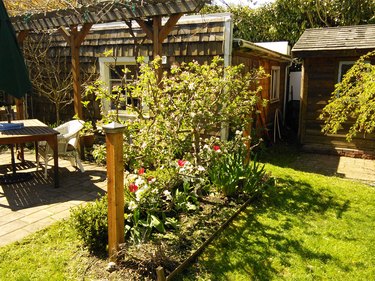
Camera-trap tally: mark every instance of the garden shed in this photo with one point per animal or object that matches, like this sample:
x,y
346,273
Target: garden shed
x,y
326,54
117,44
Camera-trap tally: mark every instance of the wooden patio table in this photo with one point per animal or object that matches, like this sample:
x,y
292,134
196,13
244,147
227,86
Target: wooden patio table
x,y
33,131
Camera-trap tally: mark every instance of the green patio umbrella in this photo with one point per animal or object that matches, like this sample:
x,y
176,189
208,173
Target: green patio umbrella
x,y
14,79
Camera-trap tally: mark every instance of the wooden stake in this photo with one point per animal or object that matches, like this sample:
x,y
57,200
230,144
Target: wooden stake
x,y
115,187
160,274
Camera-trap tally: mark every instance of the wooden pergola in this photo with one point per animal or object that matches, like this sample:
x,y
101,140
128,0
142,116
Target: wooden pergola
x,y
75,23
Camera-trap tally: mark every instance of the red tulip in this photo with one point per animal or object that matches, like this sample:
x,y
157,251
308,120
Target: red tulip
x,y
133,187
181,163
141,171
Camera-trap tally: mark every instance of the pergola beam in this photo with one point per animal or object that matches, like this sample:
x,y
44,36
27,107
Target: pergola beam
x,y
21,36
157,44
169,25
146,27
103,12
157,33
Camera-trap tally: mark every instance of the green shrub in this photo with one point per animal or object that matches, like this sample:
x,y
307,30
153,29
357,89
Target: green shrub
x,y
100,153
226,173
91,223
153,200
231,174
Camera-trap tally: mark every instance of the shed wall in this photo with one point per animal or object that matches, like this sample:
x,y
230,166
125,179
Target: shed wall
x,y
250,61
319,76
187,42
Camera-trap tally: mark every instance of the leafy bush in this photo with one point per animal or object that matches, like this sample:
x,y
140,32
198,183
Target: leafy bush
x,y
231,170
99,153
91,223
353,101
194,101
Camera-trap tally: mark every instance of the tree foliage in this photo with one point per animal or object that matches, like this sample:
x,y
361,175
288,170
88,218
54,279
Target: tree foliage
x,y
287,19
16,7
353,101
51,76
193,102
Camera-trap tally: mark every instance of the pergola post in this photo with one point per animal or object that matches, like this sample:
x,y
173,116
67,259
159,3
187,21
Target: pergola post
x,y
75,39
157,33
157,43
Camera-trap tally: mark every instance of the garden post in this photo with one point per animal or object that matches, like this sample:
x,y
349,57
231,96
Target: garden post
x,y
115,186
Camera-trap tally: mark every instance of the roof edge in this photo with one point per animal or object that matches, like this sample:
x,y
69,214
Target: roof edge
x,y
241,43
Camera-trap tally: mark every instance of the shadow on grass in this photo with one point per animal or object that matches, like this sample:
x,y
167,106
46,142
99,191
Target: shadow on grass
x,y
262,234
291,156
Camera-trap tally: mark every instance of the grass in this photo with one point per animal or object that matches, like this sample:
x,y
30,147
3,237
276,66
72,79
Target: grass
x,y
310,227
50,254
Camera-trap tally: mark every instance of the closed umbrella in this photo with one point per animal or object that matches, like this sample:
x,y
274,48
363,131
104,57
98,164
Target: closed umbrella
x,y
14,79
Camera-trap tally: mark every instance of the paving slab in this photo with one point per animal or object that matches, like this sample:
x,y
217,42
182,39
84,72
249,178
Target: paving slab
x,y
335,165
35,204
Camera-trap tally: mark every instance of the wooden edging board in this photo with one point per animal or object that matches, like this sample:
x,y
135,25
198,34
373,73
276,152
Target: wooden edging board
x,y
187,262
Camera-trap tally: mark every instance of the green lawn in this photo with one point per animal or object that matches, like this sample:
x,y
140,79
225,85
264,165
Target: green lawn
x,y
310,227
51,254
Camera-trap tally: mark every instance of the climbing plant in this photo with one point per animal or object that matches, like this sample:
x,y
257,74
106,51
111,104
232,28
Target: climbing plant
x,y
353,101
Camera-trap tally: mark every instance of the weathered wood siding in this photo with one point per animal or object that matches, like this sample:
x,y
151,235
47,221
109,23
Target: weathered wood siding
x,y
188,41
319,75
250,62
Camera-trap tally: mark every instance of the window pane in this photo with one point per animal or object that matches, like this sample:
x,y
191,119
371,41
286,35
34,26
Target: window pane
x,y
344,69
121,94
132,72
119,77
116,72
275,81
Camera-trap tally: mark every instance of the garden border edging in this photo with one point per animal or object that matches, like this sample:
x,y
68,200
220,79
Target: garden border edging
x,y
192,257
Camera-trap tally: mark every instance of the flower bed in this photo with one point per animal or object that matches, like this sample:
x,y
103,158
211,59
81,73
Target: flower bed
x,y
171,249
181,184
169,213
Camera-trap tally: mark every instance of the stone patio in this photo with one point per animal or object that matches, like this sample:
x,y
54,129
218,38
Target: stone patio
x,y
339,166
32,205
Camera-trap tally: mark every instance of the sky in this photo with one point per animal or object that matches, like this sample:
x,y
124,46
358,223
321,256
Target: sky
x,y
252,3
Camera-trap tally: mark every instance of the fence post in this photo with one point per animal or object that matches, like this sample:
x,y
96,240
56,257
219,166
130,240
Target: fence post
x,y
115,186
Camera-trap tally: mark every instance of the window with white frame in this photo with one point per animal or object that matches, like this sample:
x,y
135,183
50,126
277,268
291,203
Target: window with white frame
x,y
113,73
275,84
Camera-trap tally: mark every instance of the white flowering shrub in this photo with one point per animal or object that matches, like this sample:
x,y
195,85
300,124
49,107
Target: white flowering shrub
x,y
152,202
192,100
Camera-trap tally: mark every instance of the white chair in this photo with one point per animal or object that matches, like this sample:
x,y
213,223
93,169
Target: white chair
x,y
67,142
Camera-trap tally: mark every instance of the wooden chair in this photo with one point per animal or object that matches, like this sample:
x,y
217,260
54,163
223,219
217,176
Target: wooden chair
x,y
67,142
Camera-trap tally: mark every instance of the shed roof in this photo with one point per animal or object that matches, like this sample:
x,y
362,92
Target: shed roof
x,y
104,11
336,38
260,51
